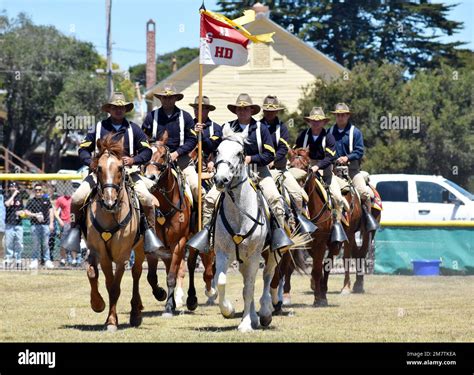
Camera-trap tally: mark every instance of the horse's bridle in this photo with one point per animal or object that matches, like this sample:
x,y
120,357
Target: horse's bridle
x,y
117,187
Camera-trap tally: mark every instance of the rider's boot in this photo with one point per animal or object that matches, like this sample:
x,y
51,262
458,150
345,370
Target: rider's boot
x,y
73,239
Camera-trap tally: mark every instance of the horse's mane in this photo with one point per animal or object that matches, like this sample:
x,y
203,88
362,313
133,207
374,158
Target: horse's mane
x,y
111,143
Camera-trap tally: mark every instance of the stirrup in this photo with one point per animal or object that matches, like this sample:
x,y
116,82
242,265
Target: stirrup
x,y
200,241
73,240
280,239
371,224
338,234
153,245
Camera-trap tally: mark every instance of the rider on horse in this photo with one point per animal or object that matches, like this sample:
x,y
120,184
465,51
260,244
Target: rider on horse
x,y
350,150
181,135
137,152
322,153
259,153
280,137
211,135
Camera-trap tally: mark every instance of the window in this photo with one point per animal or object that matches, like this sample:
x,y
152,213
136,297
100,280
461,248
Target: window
x,y
261,55
393,191
429,192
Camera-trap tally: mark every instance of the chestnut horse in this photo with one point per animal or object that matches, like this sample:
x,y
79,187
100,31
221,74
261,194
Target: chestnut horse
x,y
112,231
321,215
351,249
173,228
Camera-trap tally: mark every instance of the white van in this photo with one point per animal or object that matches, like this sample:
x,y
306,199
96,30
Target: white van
x,y
409,197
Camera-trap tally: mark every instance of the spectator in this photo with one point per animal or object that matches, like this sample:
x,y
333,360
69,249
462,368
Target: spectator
x,y
40,211
13,225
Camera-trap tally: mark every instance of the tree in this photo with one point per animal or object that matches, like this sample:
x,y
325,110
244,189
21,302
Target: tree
x,y
38,61
440,99
353,31
163,64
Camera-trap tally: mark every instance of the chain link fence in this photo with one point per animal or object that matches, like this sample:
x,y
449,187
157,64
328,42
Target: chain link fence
x,y
34,217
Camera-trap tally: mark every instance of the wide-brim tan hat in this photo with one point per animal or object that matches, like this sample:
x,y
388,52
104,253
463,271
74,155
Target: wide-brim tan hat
x,y
206,103
341,108
169,90
271,104
244,100
316,114
118,100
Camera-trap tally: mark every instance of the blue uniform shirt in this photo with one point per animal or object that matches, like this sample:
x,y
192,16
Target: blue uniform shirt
x,y
171,124
281,145
210,143
142,149
251,146
342,142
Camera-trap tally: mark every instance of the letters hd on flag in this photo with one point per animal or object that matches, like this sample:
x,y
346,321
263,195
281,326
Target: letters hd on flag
x,y
221,44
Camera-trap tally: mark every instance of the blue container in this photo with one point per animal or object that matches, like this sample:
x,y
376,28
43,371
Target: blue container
x,y
426,267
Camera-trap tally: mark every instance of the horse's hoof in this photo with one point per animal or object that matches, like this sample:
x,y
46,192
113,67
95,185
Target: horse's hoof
x,y
228,314
211,301
192,303
358,288
136,320
111,328
277,310
320,303
345,292
160,294
245,328
167,315
286,299
265,320
98,307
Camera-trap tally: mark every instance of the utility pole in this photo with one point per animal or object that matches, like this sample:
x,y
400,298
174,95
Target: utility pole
x,y
110,82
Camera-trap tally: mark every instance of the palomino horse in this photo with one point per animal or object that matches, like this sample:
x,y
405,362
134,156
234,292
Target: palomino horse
x,y
241,230
112,231
321,215
173,228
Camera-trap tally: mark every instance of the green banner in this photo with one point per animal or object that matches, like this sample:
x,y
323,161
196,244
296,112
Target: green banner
x,y
397,246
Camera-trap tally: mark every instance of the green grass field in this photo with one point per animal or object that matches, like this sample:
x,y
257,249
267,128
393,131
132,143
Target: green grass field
x,y
53,306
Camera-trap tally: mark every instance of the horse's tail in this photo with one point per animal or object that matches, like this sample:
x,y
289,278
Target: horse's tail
x,y
301,242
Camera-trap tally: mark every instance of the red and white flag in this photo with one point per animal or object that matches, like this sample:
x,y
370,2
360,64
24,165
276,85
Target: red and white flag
x,y
221,44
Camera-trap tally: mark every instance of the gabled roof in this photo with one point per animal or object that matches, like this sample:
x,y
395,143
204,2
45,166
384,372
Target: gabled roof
x,y
269,25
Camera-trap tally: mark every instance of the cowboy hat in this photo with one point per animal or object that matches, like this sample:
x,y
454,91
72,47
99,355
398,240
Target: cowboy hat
x,y
244,100
341,108
169,90
316,114
271,103
118,100
206,102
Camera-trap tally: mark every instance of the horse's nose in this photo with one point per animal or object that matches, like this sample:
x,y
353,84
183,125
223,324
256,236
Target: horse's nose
x,y
150,176
109,204
221,182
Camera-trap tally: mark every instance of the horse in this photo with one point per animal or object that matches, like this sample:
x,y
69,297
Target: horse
x,y
241,231
321,215
351,249
113,230
173,228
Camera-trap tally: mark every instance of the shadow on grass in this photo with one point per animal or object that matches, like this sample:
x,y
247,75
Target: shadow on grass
x,y
159,313
93,327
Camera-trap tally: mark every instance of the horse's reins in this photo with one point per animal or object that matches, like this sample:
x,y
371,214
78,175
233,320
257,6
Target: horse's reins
x,y
162,167
107,234
325,205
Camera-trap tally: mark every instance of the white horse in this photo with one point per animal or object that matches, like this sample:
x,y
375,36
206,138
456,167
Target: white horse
x,y
245,215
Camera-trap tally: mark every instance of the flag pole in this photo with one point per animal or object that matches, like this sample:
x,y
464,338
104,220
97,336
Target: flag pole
x,y
200,152
203,7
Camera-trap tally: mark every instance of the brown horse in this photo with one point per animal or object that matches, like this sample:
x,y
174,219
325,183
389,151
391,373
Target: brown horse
x,y
321,215
112,232
174,229
351,249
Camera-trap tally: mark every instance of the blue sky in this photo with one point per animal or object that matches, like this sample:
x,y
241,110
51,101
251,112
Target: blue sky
x,y
177,22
